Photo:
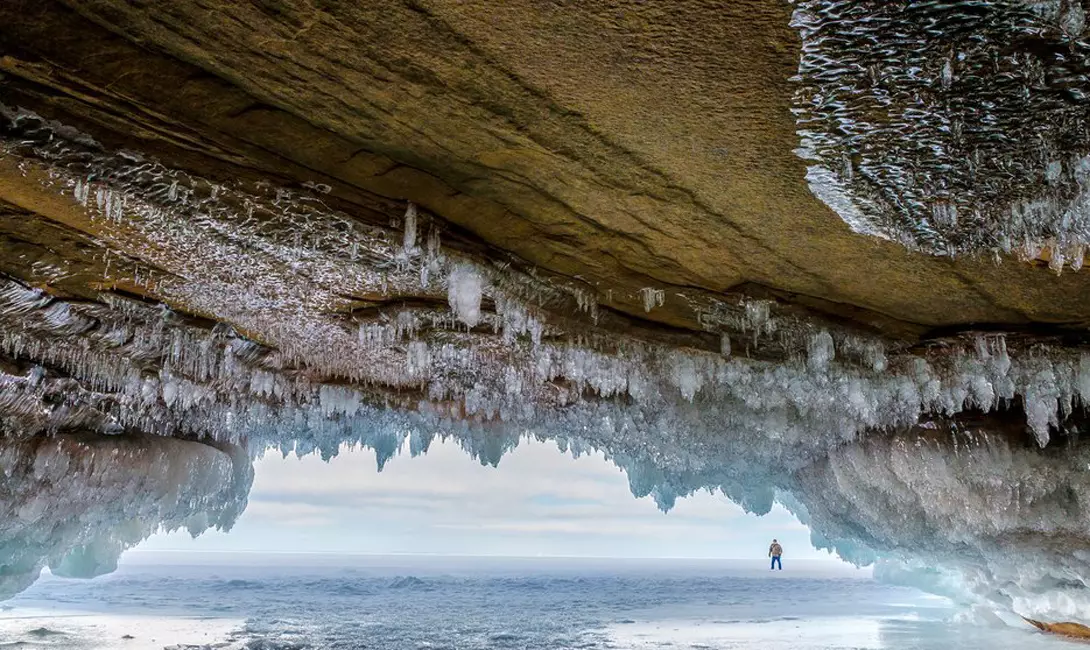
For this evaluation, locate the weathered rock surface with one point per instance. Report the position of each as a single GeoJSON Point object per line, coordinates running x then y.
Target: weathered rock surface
{"type": "Point", "coordinates": [1073, 630]}
{"type": "Point", "coordinates": [621, 144]}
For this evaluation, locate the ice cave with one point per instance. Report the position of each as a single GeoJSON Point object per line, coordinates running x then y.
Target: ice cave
{"type": "Point", "coordinates": [826, 254]}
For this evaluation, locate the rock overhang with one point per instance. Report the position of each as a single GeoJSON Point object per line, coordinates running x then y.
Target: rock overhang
{"type": "Point", "coordinates": [229, 229]}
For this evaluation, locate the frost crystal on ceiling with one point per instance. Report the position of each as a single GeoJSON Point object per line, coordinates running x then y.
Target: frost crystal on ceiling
{"type": "Point", "coordinates": [950, 127]}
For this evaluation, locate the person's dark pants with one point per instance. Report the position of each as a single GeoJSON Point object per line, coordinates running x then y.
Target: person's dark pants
{"type": "Point", "coordinates": [776, 562]}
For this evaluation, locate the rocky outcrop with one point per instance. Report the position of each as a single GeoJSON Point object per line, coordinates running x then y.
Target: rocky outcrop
{"type": "Point", "coordinates": [1073, 630]}
{"type": "Point", "coordinates": [628, 147]}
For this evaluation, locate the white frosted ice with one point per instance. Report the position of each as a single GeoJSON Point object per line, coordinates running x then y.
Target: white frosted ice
{"type": "Point", "coordinates": [465, 289]}
{"type": "Point", "coordinates": [949, 141]}
{"type": "Point", "coordinates": [652, 298]}
{"type": "Point", "coordinates": [75, 503]}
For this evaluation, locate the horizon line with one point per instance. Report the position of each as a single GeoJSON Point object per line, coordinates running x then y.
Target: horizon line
{"type": "Point", "coordinates": [831, 557]}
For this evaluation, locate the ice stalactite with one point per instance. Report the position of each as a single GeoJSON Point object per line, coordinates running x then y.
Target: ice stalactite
{"type": "Point", "coordinates": [820, 351]}
{"type": "Point", "coordinates": [465, 289]}
{"type": "Point", "coordinates": [409, 243]}
{"type": "Point", "coordinates": [253, 316]}
{"type": "Point", "coordinates": [652, 298]}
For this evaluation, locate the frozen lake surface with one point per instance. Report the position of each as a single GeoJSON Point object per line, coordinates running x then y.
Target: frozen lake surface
{"type": "Point", "coordinates": [268, 602]}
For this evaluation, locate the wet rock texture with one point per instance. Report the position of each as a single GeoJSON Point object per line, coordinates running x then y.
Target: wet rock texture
{"type": "Point", "coordinates": [623, 144]}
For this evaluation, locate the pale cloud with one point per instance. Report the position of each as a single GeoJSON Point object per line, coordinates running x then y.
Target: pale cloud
{"type": "Point", "coordinates": [539, 501]}
{"type": "Point", "coordinates": [298, 514]}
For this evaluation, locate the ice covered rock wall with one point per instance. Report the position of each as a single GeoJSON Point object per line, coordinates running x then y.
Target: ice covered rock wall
{"type": "Point", "coordinates": [997, 520]}
{"type": "Point", "coordinates": [74, 503]}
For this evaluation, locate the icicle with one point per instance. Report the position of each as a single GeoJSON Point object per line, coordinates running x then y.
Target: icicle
{"type": "Point", "coordinates": [652, 298]}
{"type": "Point", "coordinates": [408, 246]}
{"type": "Point", "coordinates": [820, 351]}
{"type": "Point", "coordinates": [464, 292]}
{"type": "Point", "coordinates": [758, 317]}
{"type": "Point", "coordinates": [418, 359]}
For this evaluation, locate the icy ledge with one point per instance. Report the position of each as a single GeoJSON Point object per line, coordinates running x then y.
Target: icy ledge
{"type": "Point", "coordinates": [974, 515]}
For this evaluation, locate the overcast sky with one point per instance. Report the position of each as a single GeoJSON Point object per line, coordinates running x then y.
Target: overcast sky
{"type": "Point", "coordinates": [538, 502]}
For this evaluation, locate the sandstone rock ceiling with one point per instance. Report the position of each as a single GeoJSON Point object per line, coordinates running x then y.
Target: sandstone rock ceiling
{"type": "Point", "coordinates": [624, 144]}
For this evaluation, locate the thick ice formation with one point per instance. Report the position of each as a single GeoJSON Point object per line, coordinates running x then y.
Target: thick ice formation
{"type": "Point", "coordinates": [74, 503]}
{"type": "Point", "coordinates": [465, 290]}
{"type": "Point", "coordinates": [950, 127]}
{"type": "Point", "coordinates": [261, 317]}
{"type": "Point", "coordinates": [997, 521]}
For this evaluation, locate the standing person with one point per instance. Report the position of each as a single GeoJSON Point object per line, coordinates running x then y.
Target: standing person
{"type": "Point", "coordinates": [774, 552]}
